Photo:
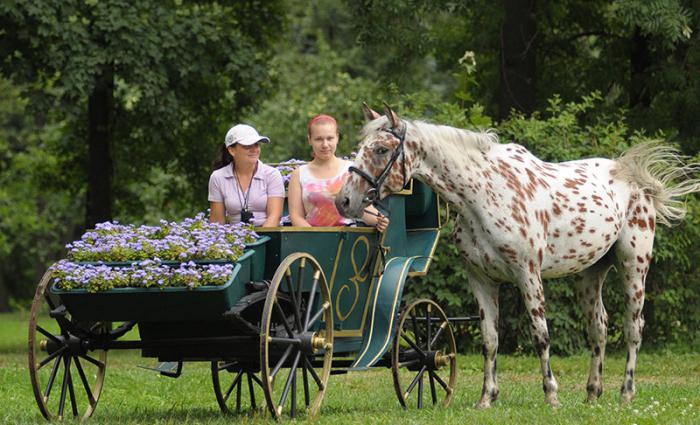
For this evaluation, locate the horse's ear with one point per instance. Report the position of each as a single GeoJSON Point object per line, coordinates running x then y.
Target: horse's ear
{"type": "Point", "coordinates": [369, 113]}
{"type": "Point", "coordinates": [393, 118]}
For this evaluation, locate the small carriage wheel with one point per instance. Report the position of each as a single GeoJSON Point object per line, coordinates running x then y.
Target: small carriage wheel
{"type": "Point", "coordinates": [243, 380]}
{"type": "Point", "coordinates": [296, 337]}
{"type": "Point", "coordinates": [58, 358]}
{"type": "Point", "coordinates": [424, 347]}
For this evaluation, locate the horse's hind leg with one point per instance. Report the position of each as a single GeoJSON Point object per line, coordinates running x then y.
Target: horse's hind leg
{"type": "Point", "coordinates": [588, 288]}
{"type": "Point", "coordinates": [633, 252]}
{"type": "Point", "coordinates": [486, 293]}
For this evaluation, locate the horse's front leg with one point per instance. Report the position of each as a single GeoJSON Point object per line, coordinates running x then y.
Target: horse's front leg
{"type": "Point", "coordinates": [486, 293]}
{"type": "Point", "coordinates": [530, 285]}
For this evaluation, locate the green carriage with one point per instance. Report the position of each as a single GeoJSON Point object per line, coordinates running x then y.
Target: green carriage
{"type": "Point", "coordinates": [301, 304]}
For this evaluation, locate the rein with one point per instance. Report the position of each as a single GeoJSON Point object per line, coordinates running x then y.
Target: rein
{"type": "Point", "coordinates": [375, 183]}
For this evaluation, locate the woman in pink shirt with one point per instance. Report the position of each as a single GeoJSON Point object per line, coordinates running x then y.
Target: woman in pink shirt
{"type": "Point", "coordinates": [312, 187]}
{"type": "Point", "coordinates": [242, 188]}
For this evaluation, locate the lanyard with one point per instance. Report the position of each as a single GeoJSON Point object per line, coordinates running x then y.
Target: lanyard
{"type": "Point", "coordinates": [239, 189]}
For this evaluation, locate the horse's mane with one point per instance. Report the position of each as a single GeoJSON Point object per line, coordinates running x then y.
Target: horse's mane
{"type": "Point", "coordinates": [440, 135]}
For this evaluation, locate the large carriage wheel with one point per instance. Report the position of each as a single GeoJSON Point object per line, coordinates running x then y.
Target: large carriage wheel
{"type": "Point", "coordinates": [424, 347]}
{"type": "Point", "coordinates": [237, 386]}
{"type": "Point", "coordinates": [296, 337]}
{"type": "Point", "coordinates": [65, 376]}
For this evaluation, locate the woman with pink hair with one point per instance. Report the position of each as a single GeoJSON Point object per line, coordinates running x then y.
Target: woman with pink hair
{"type": "Point", "coordinates": [312, 187]}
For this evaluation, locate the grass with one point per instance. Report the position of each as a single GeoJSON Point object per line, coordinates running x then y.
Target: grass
{"type": "Point", "coordinates": [668, 392]}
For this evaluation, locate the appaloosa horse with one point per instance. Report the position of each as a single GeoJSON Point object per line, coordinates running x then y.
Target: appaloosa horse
{"type": "Point", "coordinates": [522, 220]}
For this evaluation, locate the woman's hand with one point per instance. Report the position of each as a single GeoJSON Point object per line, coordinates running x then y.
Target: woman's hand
{"type": "Point", "coordinates": [382, 222]}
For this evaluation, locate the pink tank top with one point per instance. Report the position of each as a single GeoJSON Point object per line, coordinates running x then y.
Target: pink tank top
{"type": "Point", "coordinates": [318, 196]}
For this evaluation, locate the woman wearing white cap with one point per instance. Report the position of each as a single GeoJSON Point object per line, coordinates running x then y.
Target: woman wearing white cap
{"type": "Point", "coordinates": [242, 188]}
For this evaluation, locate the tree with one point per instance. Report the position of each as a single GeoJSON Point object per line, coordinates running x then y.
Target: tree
{"type": "Point", "coordinates": [142, 83]}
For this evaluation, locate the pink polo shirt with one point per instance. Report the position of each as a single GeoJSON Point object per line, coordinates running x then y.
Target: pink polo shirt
{"type": "Point", "coordinates": [223, 187]}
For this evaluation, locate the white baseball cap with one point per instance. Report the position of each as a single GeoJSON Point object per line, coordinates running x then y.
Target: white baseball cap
{"type": "Point", "coordinates": [245, 135]}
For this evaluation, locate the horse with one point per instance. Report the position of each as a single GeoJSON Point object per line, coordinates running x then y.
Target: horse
{"type": "Point", "coordinates": [522, 220]}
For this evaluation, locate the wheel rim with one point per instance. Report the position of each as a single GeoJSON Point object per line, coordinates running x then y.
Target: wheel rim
{"type": "Point", "coordinates": [423, 350]}
{"type": "Point", "coordinates": [237, 387]}
{"type": "Point", "coordinates": [296, 337]}
{"type": "Point", "coordinates": [66, 379]}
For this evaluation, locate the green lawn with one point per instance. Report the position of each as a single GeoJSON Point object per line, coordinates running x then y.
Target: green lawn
{"type": "Point", "coordinates": [668, 392]}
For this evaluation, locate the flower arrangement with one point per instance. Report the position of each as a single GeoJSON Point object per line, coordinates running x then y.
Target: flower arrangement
{"type": "Point", "coordinates": [146, 248]}
{"type": "Point", "coordinates": [192, 239]}
{"type": "Point", "coordinates": [287, 167]}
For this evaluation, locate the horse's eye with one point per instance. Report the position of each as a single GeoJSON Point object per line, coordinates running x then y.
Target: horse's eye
{"type": "Point", "coordinates": [381, 150]}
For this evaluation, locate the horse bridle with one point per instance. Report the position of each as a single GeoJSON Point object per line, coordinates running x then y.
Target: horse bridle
{"type": "Point", "coordinates": [375, 183]}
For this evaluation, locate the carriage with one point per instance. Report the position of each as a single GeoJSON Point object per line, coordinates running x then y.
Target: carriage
{"type": "Point", "coordinates": [302, 304]}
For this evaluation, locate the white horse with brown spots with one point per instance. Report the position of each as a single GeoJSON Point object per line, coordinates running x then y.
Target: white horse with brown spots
{"type": "Point", "coordinates": [522, 220]}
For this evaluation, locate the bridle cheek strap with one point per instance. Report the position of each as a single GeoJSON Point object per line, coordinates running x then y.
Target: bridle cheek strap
{"type": "Point", "coordinates": [375, 183]}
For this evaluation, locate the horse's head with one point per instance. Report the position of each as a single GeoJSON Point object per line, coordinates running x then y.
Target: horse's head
{"type": "Point", "coordinates": [382, 166]}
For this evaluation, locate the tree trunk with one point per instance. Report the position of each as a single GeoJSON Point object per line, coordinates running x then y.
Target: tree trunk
{"type": "Point", "coordinates": [640, 62]}
{"type": "Point", "coordinates": [518, 66]}
{"type": "Point", "coordinates": [100, 119]}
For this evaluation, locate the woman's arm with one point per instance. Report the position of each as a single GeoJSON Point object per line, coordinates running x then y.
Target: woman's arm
{"type": "Point", "coordinates": [274, 211]}
{"type": "Point", "coordinates": [217, 212]}
{"type": "Point", "coordinates": [295, 203]}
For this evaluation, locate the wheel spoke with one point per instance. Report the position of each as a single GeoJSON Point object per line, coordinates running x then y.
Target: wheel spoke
{"type": "Point", "coordinates": [235, 382]}
{"type": "Point", "coordinates": [283, 318]}
{"type": "Point", "coordinates": [429, 327]}
{"type": "Point", "coordinates": [48, 335]}
{"type": "Point", "coordinates": [313, 374]}
{"type": "Point", "coordinates": [91, 360]}
{"type": "Point", "coordinates": [312, 321]}
{"type": "Point", "coordinates": [51, 357]}
{"type": "Point", "coordinates": [255, 378]}
{"type": "Point", "coordinates": [251, 390]}
{"type": "Point", "coordinates": [281, 361]}
{"type": "Point", "coordinates": [86, 386]}
{"type": "Point", "coordinates": [290, 378]}
{"type": "Point", "coordinates": [300, 285]}
{"type": "Point", "coordinates": [409, 363]}
{"type": "Point", "coordinates": [71, 391]}
{"type": "Point", "coordinates": [305, 376]}
{"type": "Point", "coordinates": [64, 388]}
{"type": "Point", "coordinates": [284, 341]}
{"type": "Point", "coordinates": [295, 304]}
{"type": "Point", "coordinates": [312, 295]}
{"type": "Point", "coordinates": [438, 333]}
{"type": "Point", "coordinates": [432, 387]}
{"type": "Point", "coordinates": [238, 392]}
{"type": "Point", "coordinates": [439, 380]}
{"type": "Point", "coordinates": [413, 345]}
{"type": "Point", "coordinates": [417, 378]}
{"type": "Point", "coordinates": [52, 378]}
{"type": "Point", "coordinates": [414, 322]}
{"type": "Point", "coordinates": [420, 392]}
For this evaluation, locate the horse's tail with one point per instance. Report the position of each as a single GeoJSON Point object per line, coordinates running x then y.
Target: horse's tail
{"type": "Point", "coordinates": [660, 171]}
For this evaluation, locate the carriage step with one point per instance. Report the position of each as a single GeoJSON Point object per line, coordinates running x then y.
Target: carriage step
{"type": "Point", "coordinates": [169, 369]}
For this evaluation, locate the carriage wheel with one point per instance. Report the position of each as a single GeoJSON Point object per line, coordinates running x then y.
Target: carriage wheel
{"type": "Point", "coordinates": [296, 337]}
{"type": "Point", "coordinates": [424, 347]}
{"type": "Point", "coordinates": [58, 358]}
{"type": "Point", "coordinates": [237, 387]}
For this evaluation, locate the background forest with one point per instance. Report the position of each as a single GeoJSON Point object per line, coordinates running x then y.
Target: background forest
{"type": "Point", "coordinates": [115, 109]}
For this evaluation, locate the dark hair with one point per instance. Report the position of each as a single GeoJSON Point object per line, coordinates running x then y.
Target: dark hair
{"type": "Point", "coordinates": [222, 159]}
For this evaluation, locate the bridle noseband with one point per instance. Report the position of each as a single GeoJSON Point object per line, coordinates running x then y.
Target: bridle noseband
{"type": "Point", "coordinates": [375, 183]}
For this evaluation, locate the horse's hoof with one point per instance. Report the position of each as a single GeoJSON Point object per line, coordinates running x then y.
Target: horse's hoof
{"type": "Point", "coordinates": [592, 399]}
{"type": "Point", "coordinates": [626, 398]}
{"type": "Point", "coordinates": [552, 401]}
{"type": "Point", "coordinates": [482, 404]}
